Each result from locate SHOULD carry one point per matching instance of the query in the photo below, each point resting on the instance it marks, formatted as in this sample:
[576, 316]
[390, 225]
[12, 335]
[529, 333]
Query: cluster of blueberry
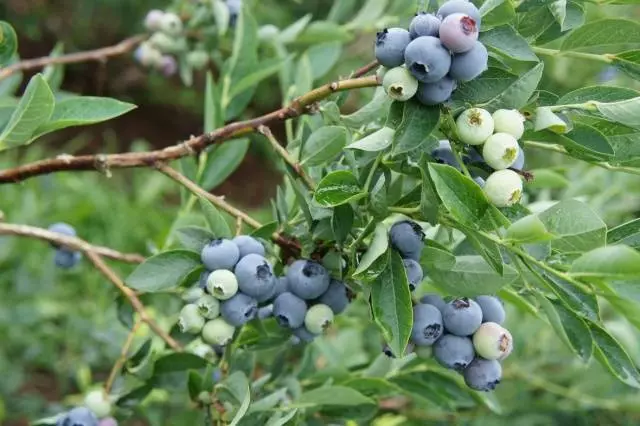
[435, 53]
[407, 239]
[95, 412]
[239, 284]
[65, 258]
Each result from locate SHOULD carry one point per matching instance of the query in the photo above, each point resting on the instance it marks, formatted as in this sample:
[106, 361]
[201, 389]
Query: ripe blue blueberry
[280, 287]
[220, 254]
[222, 284]
[303, 334]
[239, 310]
[386, 349]
[255, 276]
[407, 237]
[435, 93]
[218, 332]
[424, 24]
[79, 416]
[318, 318]
[235, 7]
[453, 352]
[427, 325]
[443, 154]
[390, 46]
[399, 84]
[462, 316]
[248, 245]
[470, 64]
[336, 297]
[483, 375]
[63, 228]
[66, 259]
[459, 6]
[265, 312]
[435, 300]
[492, 341]
[414, 273]
[519, 163]
[427, 59]
[289, 310]
[307, 279]
[459, 32]
[492, 309]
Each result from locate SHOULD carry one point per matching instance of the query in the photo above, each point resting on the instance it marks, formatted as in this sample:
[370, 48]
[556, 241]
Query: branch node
[66, 158]
[334, 86]
[102, 164]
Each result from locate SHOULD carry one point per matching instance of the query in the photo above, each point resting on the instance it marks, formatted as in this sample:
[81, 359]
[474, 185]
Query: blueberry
[248, 245]
[519, 163]
[167, 44]
[443, 154]
[483, 375]
[303, 334]
[435, 93]
[509, 121]
[503, 188]
[66, 259]
[435, 300]
[171, 24]
[289, 310]
[208, 306]
[190, 320]
[492, 309]
[462, 316]
[148, 55]
[220, 254]
[239, 310]
[98, 403]
[458, 32]
[414, 273]
[235, 7]
[424, 24]
[460, 6]
[222, 284]
[80, 416]
[390, 46]
[63, 228]
[427, 59]
[198, 59]
[201, 349]
[492, 341]
[406, 237]
[399, 84]
[453, 352]
[279, 288]
[474, 126]
[307, 279]
[427, 325]
[500, 150]
[468, 65]
[265, 312]
[480, 181]
[218, 332]
[336, 297]
[318, 318]
[255, 276]
[168, 66]
[153, 19]
[202, 281]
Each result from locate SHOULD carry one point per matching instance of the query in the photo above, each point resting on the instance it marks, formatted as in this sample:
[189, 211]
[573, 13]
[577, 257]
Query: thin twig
[67, 241]
[238, 226]
[282, 152]
[365, 69]
[122, 359]
[90, 55]
[101, 162]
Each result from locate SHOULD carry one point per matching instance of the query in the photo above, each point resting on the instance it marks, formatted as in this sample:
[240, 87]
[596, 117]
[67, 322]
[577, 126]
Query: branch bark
[121, 359]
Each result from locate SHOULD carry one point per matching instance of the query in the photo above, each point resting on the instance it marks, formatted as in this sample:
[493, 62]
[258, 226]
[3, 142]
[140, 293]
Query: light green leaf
[324, 145]
[627, 234]
[506, 40]
[418, 121]
[338, 401]
[217, 224]
[221, 15]
[608, 35]
[529, 229]
[222, 161]
[266, 69]
[519, 92]
[238, 386]
[323, 57]
[376, 141]
[487, 86]
[371, 11]
[213, 113]
[471, 276]
[54, 74]
[370, 112]
[292, 32]
[610, 262]
[338, 188]
[629, 63]
[625, 112]
[164, 271]
[377, 247]
[576, 225]
[597, 93]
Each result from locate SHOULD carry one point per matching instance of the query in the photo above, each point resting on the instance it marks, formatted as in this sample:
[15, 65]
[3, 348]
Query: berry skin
[500, 151]
[280, 287]
[492, 341]
[171, 24]
[222, 284]
[220, 254]
[98, 403]
[430, 94]
[79, 416]
[399, 84]
[336, 297]
[443, 154]
[218, 332]
[492, 309]
[414, 273]
[460, 6]
[202, 281]
[483, 375]
[503, 188]
[66, 259]
[474, 126]
[427, 325]
[509, 121]
[193, 294]
[390, 46]
[239, 310]
[62, 228]
[302, 334]
[453, 352]
[255, 276]
[307, 279]
[427, 59]
[434, 300]
[148, 55]
[190, 320]
[462, 316]
[519, 163]
[480, 181]
[153, 19]
[168, 66]
[198, 59]
[248, 245]
[208, 306]
[318, 318]
[265, 312]
[469, 65]
[289, 310]
[424, 24]
[407, 237]
[201, 349]
[108, 421]
[166, 44]
[459, 32]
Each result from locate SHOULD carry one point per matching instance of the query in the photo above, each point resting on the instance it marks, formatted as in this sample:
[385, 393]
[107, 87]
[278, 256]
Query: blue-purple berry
[454, 352]
[307, 279]
[220, 254]
[239, 310]
[390, 46]
[427, 325]
[470, 64]
[424, 24]
[431, 94]
[427, 59]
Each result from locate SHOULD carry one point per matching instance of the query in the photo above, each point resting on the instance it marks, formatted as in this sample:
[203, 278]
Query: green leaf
[222, 161]
[430, 387]
[241, 63]
[217, 223]
[339, 401]
[266, 70]
[604, 36]
[377, 247]
[194, 238]
[378, 198]
[265, 230]
[54, 73]
[337, 188]
[576, 225]
[391, 304]
[34, 109]
[370, 12]
[213, 112]
[374, 142]
[610, 262]
[485, 87]
[625, 112]
[627, 233]
[418, 121]
[497, 12]
[323, 57]
[341, 222]
[547, 179]
[436, 256]
[597, 93]
[529, 229]
[628, 62]
[221, 15]
[8, 43]
[163, 271]
[471, 276]
[519, 92]
[612, 356]
[178, 362]
[259, 335]
[429, 201]
[486, 248]
[325, 31]
[194, 384]
[576, 330]
[324, 145]
[371, 111]
[238, 386]
[506, 40]
[292, 32]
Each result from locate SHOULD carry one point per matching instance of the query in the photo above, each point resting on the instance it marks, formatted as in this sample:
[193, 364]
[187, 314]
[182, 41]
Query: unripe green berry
[400, 84]
[268, 32]
[209, 306]
[171, 24]
[148, 55]
[500, 151]
[474, 126]
[192, 294]
[318, 318]
[204, 397]
[201, 349]
[503, 188]
[166, 43]
[198, 59]
[98, 403]
[508, 121]
[492, 341]
[153, 19]
[218, 332]
[222, 284]
[190, 320]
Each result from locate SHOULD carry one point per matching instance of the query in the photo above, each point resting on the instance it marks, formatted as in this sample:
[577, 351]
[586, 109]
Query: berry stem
[606, 58]
[372, 172]
[463, 166]
[117, 367]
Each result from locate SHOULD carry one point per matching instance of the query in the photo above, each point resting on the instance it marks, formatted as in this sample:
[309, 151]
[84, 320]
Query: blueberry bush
[458, 186]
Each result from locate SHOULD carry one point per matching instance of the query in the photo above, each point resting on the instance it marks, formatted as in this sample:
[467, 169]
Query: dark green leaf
[576, 330]
[223, 160]
[611, 355]
[8, 43]
[342, 221]
[471, 276]
[266, 230]
[324, 145]
[629, 63]
[627, 233]
[179, 362]
[378, 198]
[418, 121]
[506, 40]
[436, 256]
[216, 221]
[238, 386]
[194, 238]
[610, 262]
[338, 188]
[194, 384]
[518, 93]
[339, 401]
[163, 271]
[604, 36]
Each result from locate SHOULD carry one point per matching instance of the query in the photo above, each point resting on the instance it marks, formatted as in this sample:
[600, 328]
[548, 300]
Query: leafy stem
[606, 58]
